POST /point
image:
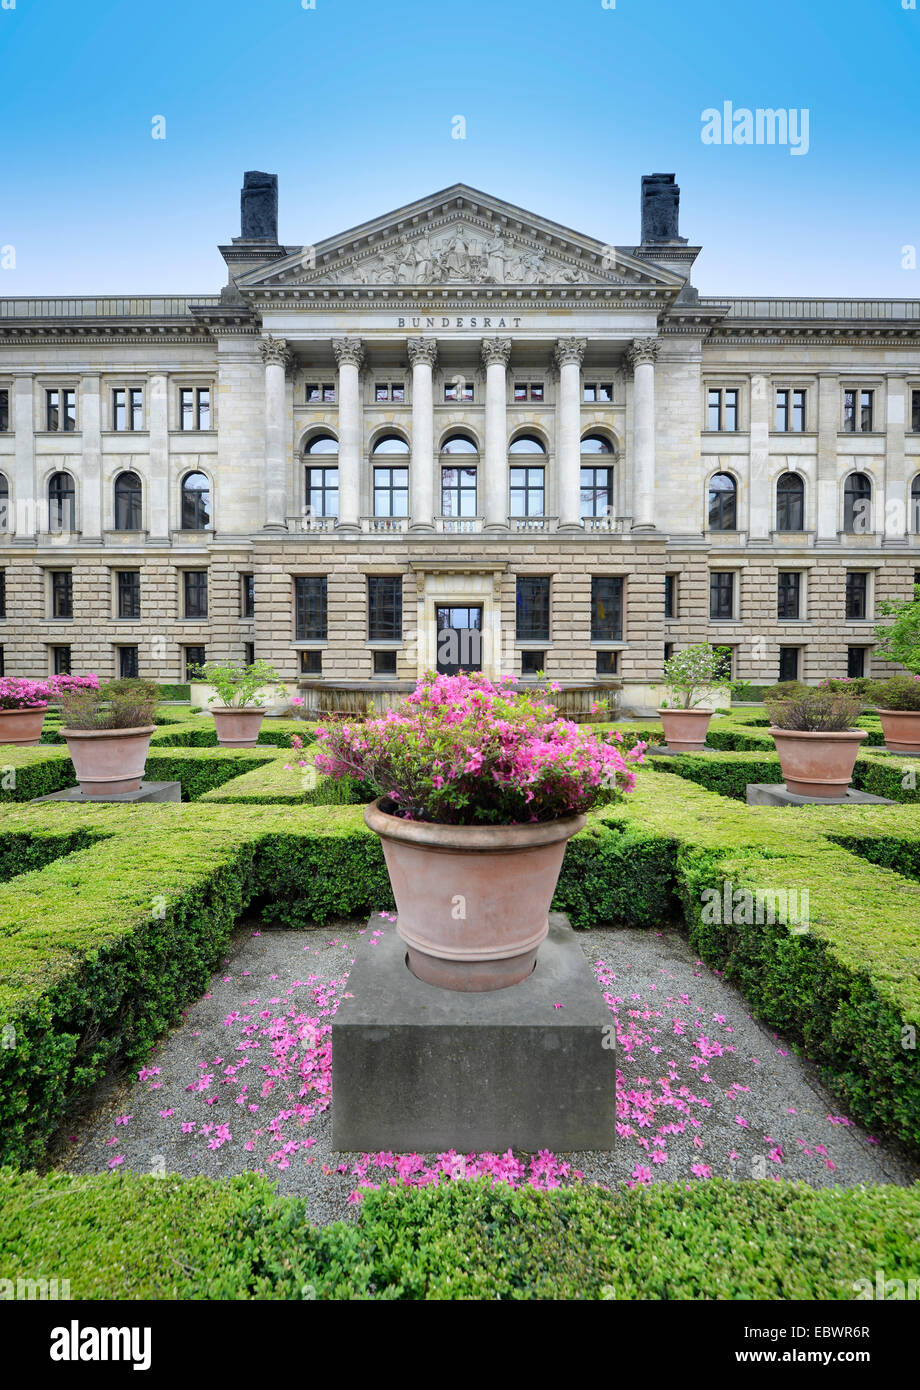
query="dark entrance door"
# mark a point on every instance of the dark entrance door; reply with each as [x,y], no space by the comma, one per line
[459,640]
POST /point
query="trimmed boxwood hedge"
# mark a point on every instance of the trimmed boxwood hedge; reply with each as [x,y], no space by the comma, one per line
[139,1237]
[41,771]
[881,774]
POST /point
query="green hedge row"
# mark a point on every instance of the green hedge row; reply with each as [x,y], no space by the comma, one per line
[881,774]
[34,772]
[137,1238]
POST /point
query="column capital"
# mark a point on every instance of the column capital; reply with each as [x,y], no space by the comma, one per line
[348,351]
[275,352]
[422,352]
[569,352]
[496,350]
[643,352]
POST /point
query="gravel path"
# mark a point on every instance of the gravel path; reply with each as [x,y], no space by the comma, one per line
[243,1083]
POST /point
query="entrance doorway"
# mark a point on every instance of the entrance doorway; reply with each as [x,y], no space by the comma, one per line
[459,634]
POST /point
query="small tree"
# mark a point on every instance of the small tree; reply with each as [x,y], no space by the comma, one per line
[900,641]
[691,673]
[236,686]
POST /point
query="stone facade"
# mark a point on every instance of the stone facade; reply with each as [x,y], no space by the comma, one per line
[456,315]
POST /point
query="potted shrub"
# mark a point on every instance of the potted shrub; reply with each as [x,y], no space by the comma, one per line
[107,730]
[690,676]
[478,789]
[23,704]
[816,741]
[898,700]
[239,714]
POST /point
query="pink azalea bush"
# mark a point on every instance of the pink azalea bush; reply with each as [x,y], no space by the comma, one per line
[19,693]
[465,751]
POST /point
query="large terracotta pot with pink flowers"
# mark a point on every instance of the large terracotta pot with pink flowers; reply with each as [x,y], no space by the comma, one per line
[22,726]
[472,901]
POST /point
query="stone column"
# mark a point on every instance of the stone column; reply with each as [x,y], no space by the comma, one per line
[760,506]
[158,482]
[349,354]
[827,503]
[568,354]
[496,353]
[28,512]
[896,506]
[642,355]
[89,521]
[277,357]
[423,354]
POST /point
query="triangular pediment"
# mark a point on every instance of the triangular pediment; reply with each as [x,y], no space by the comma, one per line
[460,237]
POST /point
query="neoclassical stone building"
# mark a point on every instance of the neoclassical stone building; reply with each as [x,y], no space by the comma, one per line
[458,433]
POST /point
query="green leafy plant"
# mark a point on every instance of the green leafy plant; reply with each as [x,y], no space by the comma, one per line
[817,711]
[121,704]
[900,640]
[898,692]
[691,673]
[237,686]
[846,685]
[783,690]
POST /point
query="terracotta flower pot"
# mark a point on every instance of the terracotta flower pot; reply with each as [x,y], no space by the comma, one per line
[472,901]
[237,728]
[820,763]
[901,728]
[685,729]
[109,761]
[22,726]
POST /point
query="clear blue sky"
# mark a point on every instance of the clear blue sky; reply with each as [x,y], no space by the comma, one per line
[567,104]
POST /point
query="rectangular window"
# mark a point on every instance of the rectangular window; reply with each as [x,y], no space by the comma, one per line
[668,650]
[127,661]
[528,390]
[721,594]
[385,663]
[788,663]
[247,596]
[670,596]
[195,585]
[2,662]
[857,594]
[320,391]
[311,622]
[62,594]
[608,663]
[391,492]
[458,492]
[532,663]
[606,608]
[311,663]
[323,492]
[2,593]
[195,408]
[722,410]
[384,607]
[528,493]
[194,657]
[249,652]
[787,602]
[856,662]
[598,392]
[389,391]
[532,623]
[61,409]
[458,390]
[790,411]
[858,408]
[60,657]
[5,409]
[914,412]
[129,593]
[596,497]
[127,409]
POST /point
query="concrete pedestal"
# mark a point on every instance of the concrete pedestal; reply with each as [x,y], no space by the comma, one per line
[148,791]
[417,1068]
[775,794]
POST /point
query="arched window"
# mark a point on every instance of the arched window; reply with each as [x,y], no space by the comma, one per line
[596,482]
[62,503]
[391,444]
[458,479]
[857,503]
[790,502]
[321,476]
[528,481]
[915,504]
[526,444]
[128,496]
[4,503]
[722,496]
[196,502]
